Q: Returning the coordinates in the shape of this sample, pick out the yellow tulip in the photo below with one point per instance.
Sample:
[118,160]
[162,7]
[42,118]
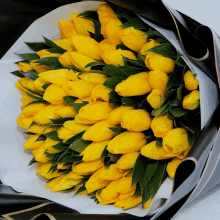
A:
[72,175]
[39,68]
[105,45]
[172,167]
[82,25]
[134,85]
[105,13]
[126,195]
[66,44]
[23,121]
[80,89]
[25,99]
[190,82]
[158,80]
[67,28]
[73,76]
[65,112]
[24,82]
[152,43]
[100,93]
[129,203]
[99,132]
[54,181]
[43,171]
[24,66]
[127,142]
[40,155]
[127,161]
[156,98]
[94,151]
[116,115]
[38,83]
[39,129]
[96,78]
[65,60]
[161,125]
[83,193]
[86,46]
[132,38]
[125,185]
[136,120]
[191,101]
[104,202]
[54,94]
[31,142]
[48,145]
[147,204]
[90,167]
[32,110]
[45,53]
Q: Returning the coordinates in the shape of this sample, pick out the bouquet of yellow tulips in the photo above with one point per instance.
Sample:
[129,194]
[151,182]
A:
[111,108]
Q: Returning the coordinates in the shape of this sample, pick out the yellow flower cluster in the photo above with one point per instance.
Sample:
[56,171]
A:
[96,115]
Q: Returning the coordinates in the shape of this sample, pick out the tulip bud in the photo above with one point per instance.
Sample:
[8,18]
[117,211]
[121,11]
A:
[83,193]
[94,151]
[132,38]
[129,203]
[38,83]
[125,185]
[99,132]
[24,66]
[39,68]
[65,60]
[96,111]
[156,98]
[136,120]
[39,129]
[190,82]
[152,43]
[116,114]
[105,13]
[172,167]
[147,204]
[115,57]
[54,182]
[161,125]
[191,101]
[105,45]
[96,78]
[57,77]
[90,167]
[127,161]
[43,171]
[111,30]
[48,145]
[83,26]
[176,141]
[137,84]
[67,28]
[54,94]
[110,192]
[27,83]
[66,44]
[40,155]
[100,93]
[158,62]
[32,110]
[31,142]
[94,183]
[65,112]
[86,46]
[126,195]
[71,128]
[112,173]
[73,76]
[45,53]
[25,99]
[127,142]
[104,202]
[80,61]
[80,89]
[158,80]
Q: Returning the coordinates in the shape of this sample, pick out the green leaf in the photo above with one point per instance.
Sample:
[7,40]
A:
[115,99]
[67,171]
[121,46]
[78,106]
[149,171]
[37,46]
[139,168]
[137,190]
[179,61]
[69,100]
[60,146]
[98,36]
[163,109]
[53,168]
[92,64]
[129,101]
[60,121]
[111,70]
[112,82]
[149,135]
[174,79]
[18,74]
[49,155]
[170,94]
[130,70]
[192,137]
[57,48]
[32,123]
[117,129]
[79,145]
[105,153]
[177,111]
[135,22]
[115,157]
[34,102]
[55,158]
[46,85]
[180,92]
[125,15]
[41,138]
[81,189]
[159,142]
[141,59]
[52,62]
[32,74]
[29,56]
[53,135]
[133,63]
[88,14]
[71,159]
[153,32]
[155,180]
[32,161]
[74,138]
[145,194]
[29,133]
[107,162]
[166,50]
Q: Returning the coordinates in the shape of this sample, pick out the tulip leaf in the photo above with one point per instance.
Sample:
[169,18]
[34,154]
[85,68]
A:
[174,79]
[46,85]
[159,142]
[163,109]
[55,48]
[53,135]
[71,159]
[175,103]
[105,152]
[29,56]
[179,61]
[115,157]
[177,111]
[135,22]
[29,133]
[133,101]
[49,155]
[112,82]
[137,190]
[18,74]
[88,14]
[52,62]
[53,168]
[32,74]
[166,50]
[112,70]
[66,171]
[98,36]
[94,64]
[74,138]
[130,70]
[37,46]
[69,100]
[141,59]
[170,94]
[149,171]
[117,129]
[60,146]
[125,15]
[79,145]
[115,99]
[149,135]
[55,158]
[139,169]
[34,102]
[121,46]
[32,123]
[107,162]
[41,138]
[153,32]
[145,195]
[78,106]
[133,63]
[156,179]
[32,161]
[81,189]
[192,137]
[60,121]
[180,92]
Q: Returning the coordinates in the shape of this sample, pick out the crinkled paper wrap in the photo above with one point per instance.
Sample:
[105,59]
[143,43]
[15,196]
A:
[14,158]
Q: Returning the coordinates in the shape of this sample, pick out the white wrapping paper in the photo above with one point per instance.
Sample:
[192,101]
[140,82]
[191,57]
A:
[14,158]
